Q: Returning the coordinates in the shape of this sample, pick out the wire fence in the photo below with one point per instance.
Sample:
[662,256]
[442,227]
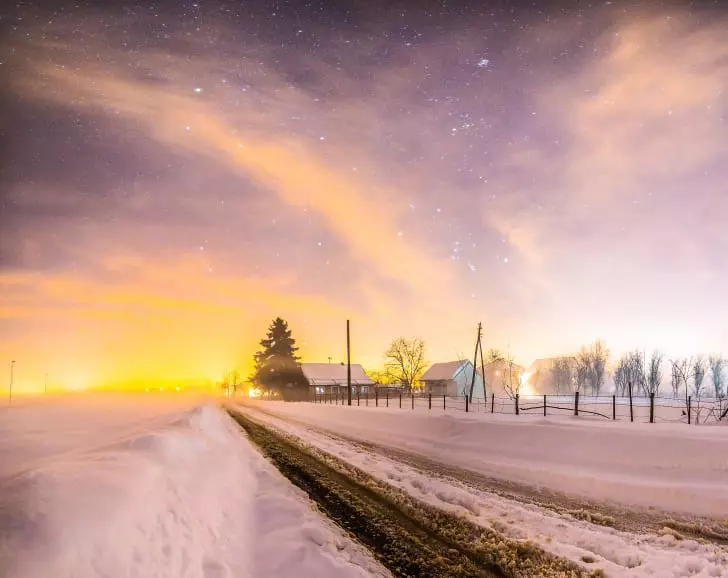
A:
[652,409]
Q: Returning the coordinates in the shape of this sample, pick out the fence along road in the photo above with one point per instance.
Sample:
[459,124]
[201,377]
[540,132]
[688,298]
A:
[651,409]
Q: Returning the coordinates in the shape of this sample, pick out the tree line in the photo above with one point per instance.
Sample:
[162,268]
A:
[639,374]
[277,370]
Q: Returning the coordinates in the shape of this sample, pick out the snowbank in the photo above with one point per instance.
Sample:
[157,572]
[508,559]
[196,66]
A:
[163,491]
[668,466]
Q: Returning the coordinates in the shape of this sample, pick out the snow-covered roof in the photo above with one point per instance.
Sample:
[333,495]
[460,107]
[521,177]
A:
[443,371]
[334,374]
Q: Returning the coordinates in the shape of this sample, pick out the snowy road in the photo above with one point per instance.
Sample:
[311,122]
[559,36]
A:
[595,545]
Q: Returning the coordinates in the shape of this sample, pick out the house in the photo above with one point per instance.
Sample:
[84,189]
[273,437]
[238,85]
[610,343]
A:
[453,378]
[331,377]
[502,376]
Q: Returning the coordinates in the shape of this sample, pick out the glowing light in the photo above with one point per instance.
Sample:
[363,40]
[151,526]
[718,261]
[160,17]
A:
[253,392]
[526,388]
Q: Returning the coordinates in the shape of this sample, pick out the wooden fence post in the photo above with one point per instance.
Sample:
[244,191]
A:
[400,400]
[387,394]
[466,403]
[631,408]
[492,403]
[614,407]
[358,397]
[690,404]
[576,402]
[652,408]
[429,401]
[517,408]
[376,398]
[413,400]
[544,406]
[444,408]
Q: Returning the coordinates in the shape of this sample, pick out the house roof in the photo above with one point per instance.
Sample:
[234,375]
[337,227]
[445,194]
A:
[443,371]
[334,374]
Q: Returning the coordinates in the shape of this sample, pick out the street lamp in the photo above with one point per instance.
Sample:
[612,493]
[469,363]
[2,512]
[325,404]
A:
[10,396]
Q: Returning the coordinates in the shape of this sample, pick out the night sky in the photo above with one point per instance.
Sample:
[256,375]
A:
[176,174]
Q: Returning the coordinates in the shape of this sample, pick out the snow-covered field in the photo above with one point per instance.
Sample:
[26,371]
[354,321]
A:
[168,486]
[152,487]
[673,467]
[618,553]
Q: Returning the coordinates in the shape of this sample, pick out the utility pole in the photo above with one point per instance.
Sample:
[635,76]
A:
[10,396]
[348,364]
[478,347]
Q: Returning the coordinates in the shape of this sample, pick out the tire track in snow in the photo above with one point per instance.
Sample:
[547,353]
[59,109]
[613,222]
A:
[628,519]
[409,537]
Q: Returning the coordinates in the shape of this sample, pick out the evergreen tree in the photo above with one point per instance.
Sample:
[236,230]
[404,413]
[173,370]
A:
[277,366]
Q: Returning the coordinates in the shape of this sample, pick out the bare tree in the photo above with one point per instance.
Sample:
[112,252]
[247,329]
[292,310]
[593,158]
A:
[654,373]
[717,363]
[379,376]
[494,355]
[511,378]
[405,360]
[637,376]
[599,358]
[681,373]
[591,366]
[234,381]
[561,375]
[582,368]
[676,376]
[630,372]
[699,367]
[621,376]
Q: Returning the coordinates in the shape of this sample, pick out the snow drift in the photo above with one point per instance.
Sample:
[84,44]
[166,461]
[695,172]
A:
[188,497]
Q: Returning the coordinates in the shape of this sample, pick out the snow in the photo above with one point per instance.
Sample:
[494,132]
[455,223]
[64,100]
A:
[119,486]
[617,553]
[672,467]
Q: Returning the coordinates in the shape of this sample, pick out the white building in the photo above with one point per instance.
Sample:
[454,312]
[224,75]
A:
[453,378]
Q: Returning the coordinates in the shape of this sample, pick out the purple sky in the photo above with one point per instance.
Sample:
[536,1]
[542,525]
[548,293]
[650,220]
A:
[177,176]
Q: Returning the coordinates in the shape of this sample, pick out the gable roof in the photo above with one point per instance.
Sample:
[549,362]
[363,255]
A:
[444,371]
[334,374]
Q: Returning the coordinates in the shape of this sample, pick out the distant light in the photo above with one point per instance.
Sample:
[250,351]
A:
[483,63]
[505,259]
[198,89]
[177,388]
